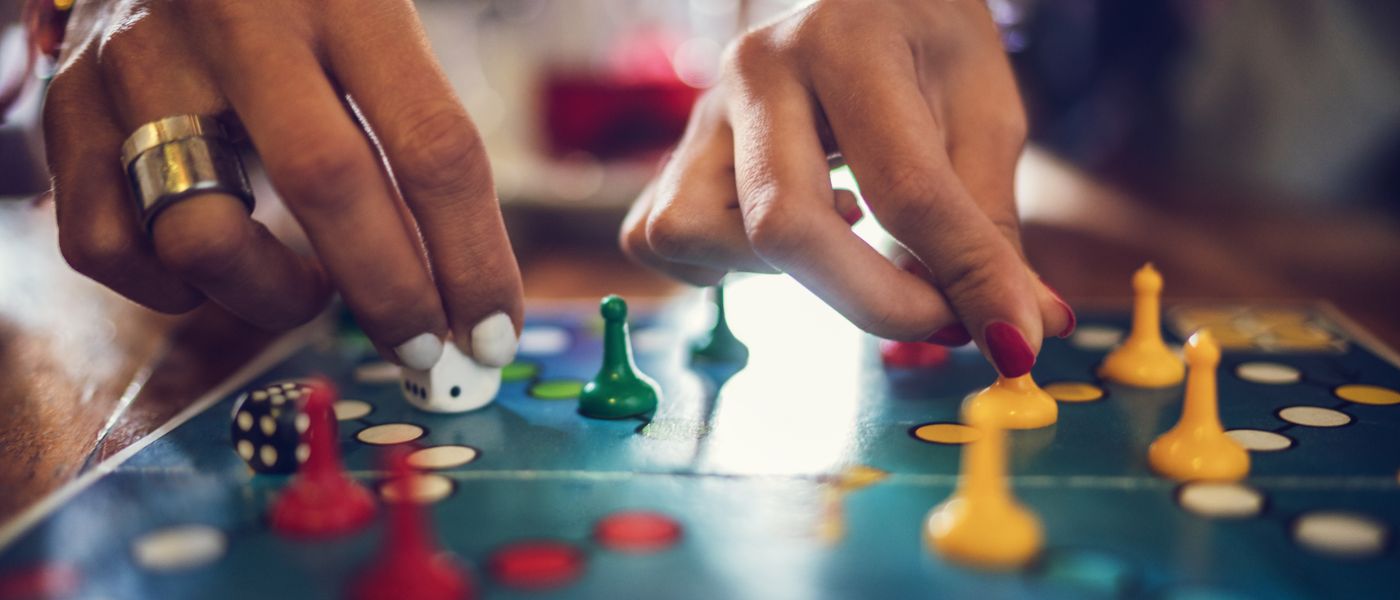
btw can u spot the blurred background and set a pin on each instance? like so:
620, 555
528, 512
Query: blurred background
1154, 122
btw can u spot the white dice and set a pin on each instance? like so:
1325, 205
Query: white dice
457, 384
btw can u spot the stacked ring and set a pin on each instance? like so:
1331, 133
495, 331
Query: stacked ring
177, 157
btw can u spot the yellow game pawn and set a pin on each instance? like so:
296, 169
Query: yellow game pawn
1144, 359
1197, 447
1011, 403
982, 524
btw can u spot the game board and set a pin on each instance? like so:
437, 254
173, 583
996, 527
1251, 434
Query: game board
808, 475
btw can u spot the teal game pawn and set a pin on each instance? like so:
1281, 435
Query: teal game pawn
618, 391
719, 344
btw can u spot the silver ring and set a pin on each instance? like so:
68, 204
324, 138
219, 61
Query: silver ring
177, 157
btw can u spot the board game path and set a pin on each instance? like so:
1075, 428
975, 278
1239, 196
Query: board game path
410, 564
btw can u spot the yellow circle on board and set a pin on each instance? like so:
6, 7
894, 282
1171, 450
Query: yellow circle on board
947, 433
1368, 394
1073, 391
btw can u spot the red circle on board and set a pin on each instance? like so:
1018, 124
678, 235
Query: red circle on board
637, 531
536, 564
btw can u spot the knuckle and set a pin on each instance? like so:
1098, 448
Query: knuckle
673, 236
439, 148
97, 251
749, 56
970, 277
775, 232
318, 177
908, 184
203, 250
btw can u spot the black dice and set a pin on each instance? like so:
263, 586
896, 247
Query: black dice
268, 423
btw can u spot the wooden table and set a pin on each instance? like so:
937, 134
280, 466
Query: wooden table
84, 373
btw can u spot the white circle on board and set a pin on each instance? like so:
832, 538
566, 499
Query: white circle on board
379, 372
346, 410
1259, 440
427, 489
268, 454
389, 434
1268, 372
245, 420
442, 457
303, 452
303, 422
268, 425
245, 449
1096, 337
1314, 416
259, 396
1221, 499
180, 547
1340, 533
543, 340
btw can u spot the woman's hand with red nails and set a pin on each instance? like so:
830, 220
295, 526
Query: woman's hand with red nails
918, 99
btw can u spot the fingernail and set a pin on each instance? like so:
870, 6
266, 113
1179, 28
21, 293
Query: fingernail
1009, 350
853, 216
1068, 311
952, 335
494, 341
421, 352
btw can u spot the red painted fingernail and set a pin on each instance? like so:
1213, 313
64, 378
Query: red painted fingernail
1009, 350
952, 335
1068, 311
853, 216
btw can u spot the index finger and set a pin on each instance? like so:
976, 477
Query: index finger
896, 150
330, 176
785, 194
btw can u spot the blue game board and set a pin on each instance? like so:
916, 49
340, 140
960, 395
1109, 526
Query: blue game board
806, 474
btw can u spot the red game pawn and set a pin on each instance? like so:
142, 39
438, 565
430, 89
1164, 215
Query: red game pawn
410, 565
321, 501
912, 354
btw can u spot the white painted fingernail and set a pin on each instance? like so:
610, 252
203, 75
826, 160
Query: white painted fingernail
494, 341
420, 352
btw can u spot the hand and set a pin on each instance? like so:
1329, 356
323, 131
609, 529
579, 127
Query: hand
307, 80
918, 98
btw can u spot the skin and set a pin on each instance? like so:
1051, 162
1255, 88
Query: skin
918, 98
404, 222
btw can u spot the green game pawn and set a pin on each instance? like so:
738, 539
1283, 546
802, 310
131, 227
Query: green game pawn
619, 391
719, 344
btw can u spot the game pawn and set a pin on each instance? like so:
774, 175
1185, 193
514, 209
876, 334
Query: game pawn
1143, 360
912, 355
719, 343
1012, 403
410, 564
1197, 448
619, 390
321, 500
982, 524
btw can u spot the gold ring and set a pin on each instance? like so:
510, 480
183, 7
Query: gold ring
166, 130
178, 157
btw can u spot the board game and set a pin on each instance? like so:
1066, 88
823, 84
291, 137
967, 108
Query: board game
806, 473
